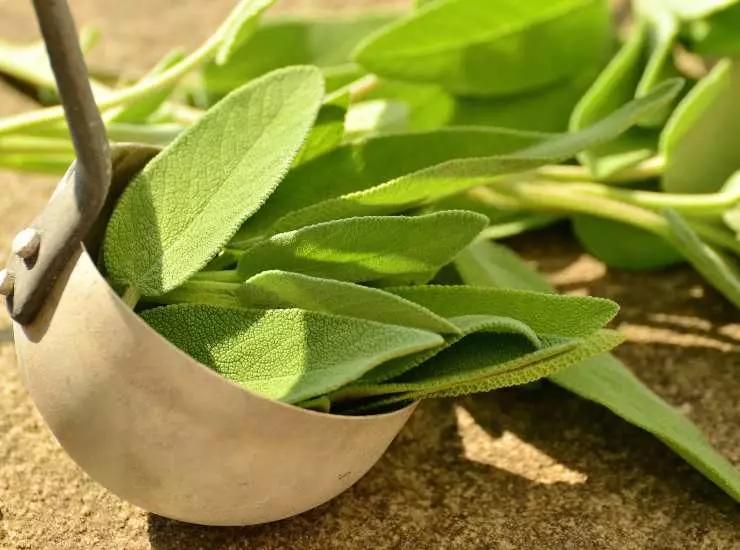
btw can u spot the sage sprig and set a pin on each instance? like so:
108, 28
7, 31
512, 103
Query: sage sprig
325, 183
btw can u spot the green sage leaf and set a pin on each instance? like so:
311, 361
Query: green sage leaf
282, 42
605, 380
372, 161
701, 139
716, 35
624, 246
374, 117
366, 248
662, 30
452, 177
721, 271
244, 20
545, 313
456, 42
281, 289
544, 109
497, 266
480, 364
190, 200
466, 325
287, 354
614, 87
429, 107
328, 131
476, 367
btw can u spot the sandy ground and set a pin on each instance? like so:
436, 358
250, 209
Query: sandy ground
514, 469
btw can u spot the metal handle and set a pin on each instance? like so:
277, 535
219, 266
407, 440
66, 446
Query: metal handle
41, 251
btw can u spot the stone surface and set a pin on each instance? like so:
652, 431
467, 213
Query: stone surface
535, 468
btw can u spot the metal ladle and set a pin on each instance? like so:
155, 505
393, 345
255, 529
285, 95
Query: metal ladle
138, 415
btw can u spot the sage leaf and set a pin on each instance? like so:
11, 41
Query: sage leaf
244, 20
456, 42
715, 35
663, 29
281, 289
474, 200
624, 246
466, 325
722, 272
366, 248
570, 316
544, 109
429, 107
287, 354
286, 41
490, 265
614, 87
375, 117
479, 364
191, 199
452, 177
328, 131
605, 380
478, 367
701, 139
366, 163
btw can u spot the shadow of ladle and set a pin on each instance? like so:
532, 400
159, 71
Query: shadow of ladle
153, 425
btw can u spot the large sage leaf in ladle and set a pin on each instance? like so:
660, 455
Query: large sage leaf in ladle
191, 199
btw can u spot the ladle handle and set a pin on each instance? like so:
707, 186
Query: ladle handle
42, 250
83, 118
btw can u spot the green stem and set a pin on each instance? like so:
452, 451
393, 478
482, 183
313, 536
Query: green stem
648, 169
34, 164
137, 91
131, 296
49, 144
152, 134
203, 292
560, 199
516, 227
362, 87
227, 276
709, 205
32, 145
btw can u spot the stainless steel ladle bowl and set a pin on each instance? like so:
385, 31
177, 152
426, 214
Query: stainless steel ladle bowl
138, 415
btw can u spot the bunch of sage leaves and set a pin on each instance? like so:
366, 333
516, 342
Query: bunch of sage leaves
344, 167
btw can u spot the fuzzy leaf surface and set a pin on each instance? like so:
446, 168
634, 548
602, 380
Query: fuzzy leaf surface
366, 248
190, 200
455, 43
288, 354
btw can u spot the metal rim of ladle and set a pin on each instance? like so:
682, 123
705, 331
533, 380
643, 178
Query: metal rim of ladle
40, 252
